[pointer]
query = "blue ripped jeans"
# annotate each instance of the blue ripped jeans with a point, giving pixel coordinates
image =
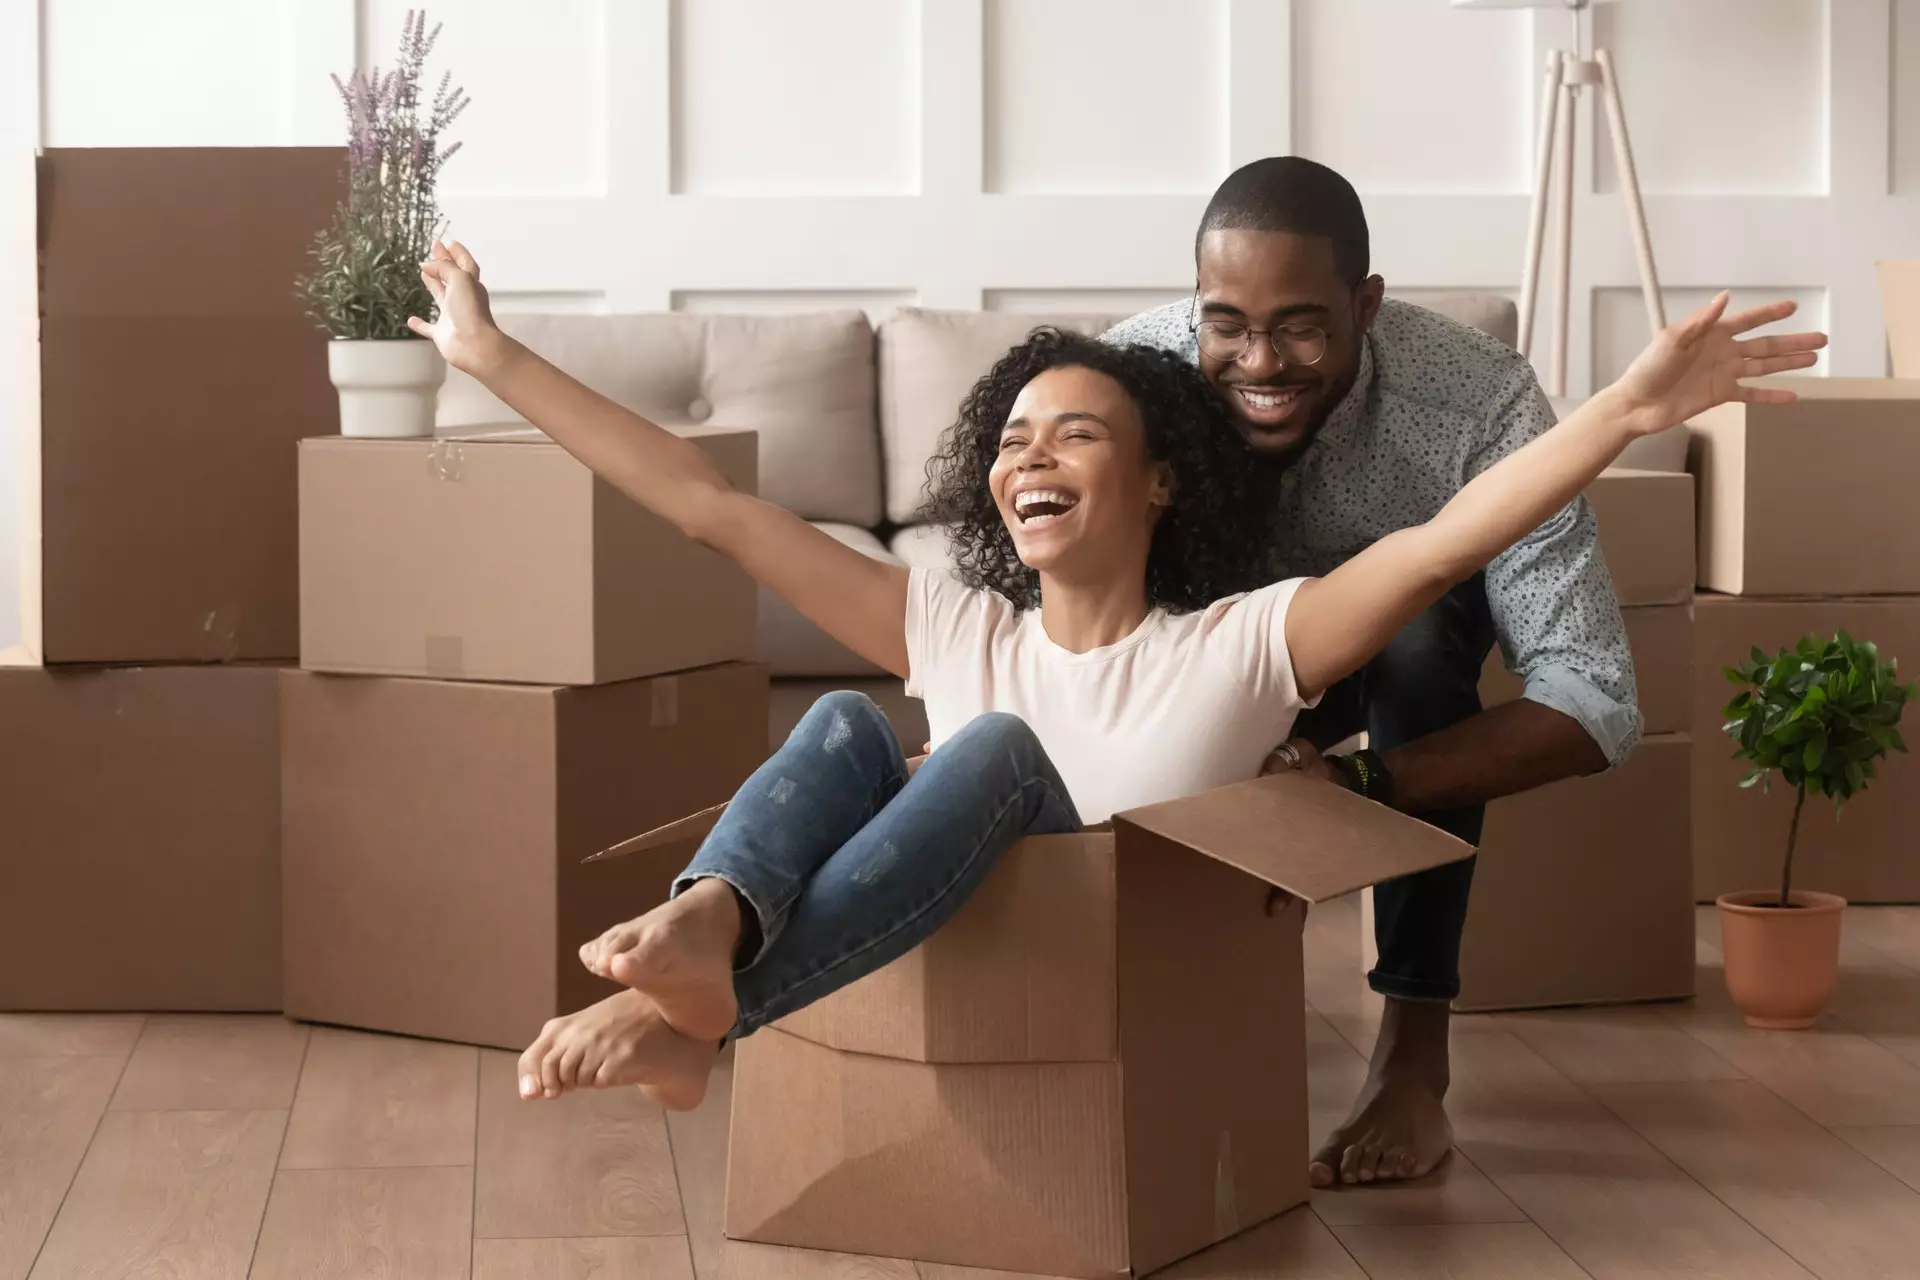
(846, 864)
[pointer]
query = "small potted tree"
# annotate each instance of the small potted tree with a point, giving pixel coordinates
(366, 277)
(1822, 714)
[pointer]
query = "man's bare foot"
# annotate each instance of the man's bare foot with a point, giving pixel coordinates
(1399, 1127)
(681, 955)
(623, 1040)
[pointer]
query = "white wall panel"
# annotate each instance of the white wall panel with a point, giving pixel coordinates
(1414, 96)
(1095, 302)
(537, 76)
(550, 302)
(1106, 96)
(1905, 106)
(1620, 319)
(1721, 96)
(777, 98)
(132, 73)
(877, 303)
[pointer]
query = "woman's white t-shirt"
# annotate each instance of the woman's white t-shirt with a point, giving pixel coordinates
(1186, 703)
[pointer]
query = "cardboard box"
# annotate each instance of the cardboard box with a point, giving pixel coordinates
(176, 373)
(1097, 1066)
(140, 861)
(1872, 853)
(499, 557)
(1582, 893)
(435, 833)
(1662, 641)
(1646, 534)
(1811, 498)
(1900, 300)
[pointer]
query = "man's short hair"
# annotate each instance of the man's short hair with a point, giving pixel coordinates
(1294, 194)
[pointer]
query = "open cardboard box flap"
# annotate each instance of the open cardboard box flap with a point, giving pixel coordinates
(1314, 840)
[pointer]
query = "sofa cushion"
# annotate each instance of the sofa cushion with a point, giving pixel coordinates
(805, 383)
(922, 546)
(1488, 312)
(929, 360)
(790, 645)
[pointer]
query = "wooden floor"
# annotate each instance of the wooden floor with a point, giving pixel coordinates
(1644, 1142)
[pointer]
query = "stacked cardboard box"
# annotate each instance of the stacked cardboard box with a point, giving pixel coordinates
(506, 666)
(174, 375)
(1806, 526)
(1581, 892)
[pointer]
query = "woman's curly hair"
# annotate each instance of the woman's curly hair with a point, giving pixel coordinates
(1214, 540)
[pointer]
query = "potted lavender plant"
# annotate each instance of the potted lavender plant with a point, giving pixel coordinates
(366, 277)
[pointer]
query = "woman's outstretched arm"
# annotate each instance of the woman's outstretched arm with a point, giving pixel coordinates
(1338, 623)
(859, 601)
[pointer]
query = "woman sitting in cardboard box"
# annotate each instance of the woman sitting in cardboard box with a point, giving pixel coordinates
(1106, 643)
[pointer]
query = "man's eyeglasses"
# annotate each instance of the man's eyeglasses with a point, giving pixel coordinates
(1229, 341)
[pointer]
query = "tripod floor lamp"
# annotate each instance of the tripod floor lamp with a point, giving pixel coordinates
(1566, 73)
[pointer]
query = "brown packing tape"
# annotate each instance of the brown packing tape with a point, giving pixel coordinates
(446, 657)
(666, 702)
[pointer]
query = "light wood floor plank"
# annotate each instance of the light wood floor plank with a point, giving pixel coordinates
(632, 1258)
(1485, 1251)
(369, 1101)
(1615, 1205)
(166, 1194)
(59, 1035)
(1895, 1149)
(213, 1062)
(49, 1108)
(592, 1163)
(412, 1223)
(1294, 1246)
(1819, 1199)
(1617, 1045)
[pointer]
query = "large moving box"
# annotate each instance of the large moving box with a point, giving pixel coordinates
(499, 557)
(1872, 852)
(1814, 497)
(1582, 892)
(1097, 1066)
(435, 833)
(176, 374)
(140, 838)
(1646, 534)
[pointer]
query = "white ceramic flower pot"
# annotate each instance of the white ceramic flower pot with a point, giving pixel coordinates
(387, 386)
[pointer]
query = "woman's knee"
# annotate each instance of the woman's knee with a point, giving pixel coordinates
(844, 716)
(998, 731)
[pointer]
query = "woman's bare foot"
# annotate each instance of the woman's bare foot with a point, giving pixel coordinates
(681, 955)
(1399, 1127)
(623, 1040)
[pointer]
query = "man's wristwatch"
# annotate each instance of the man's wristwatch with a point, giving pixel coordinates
(1366, 775)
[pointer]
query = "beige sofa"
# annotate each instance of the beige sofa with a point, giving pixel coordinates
(848, 416)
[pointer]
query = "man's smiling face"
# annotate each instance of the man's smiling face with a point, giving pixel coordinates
(1286, 289)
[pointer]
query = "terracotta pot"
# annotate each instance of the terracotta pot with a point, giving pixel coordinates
(1781, 961)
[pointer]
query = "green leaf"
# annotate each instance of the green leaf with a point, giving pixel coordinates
(1813, 754)
(1751, 778)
